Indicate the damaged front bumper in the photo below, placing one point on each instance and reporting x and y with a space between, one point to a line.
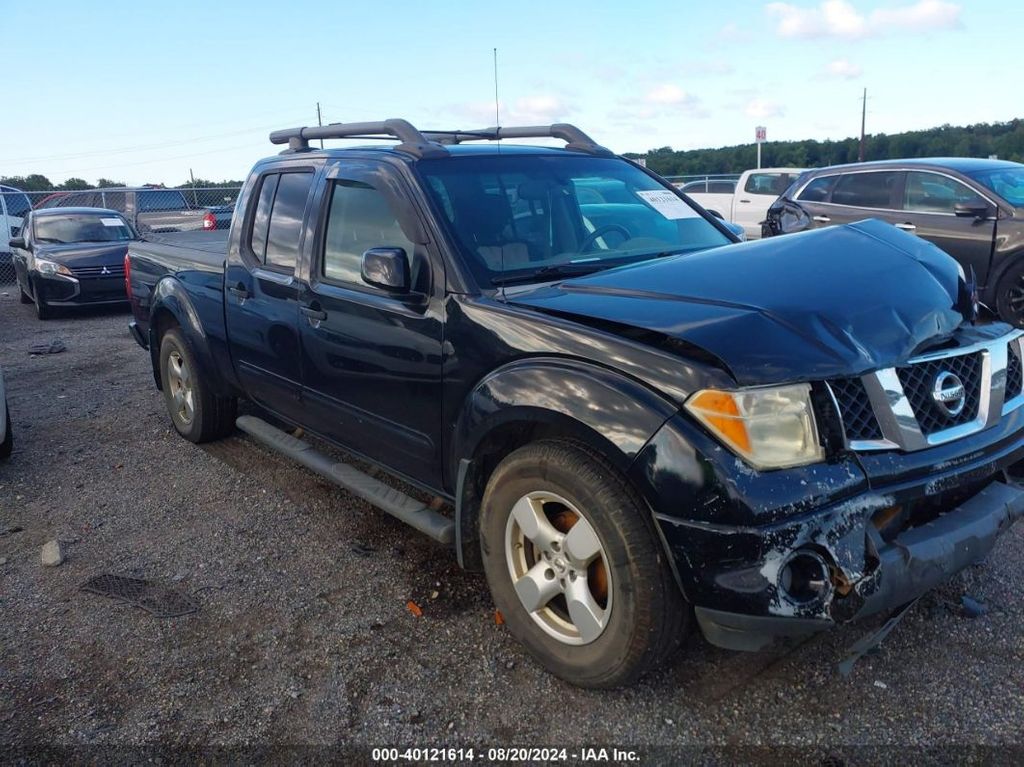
902 569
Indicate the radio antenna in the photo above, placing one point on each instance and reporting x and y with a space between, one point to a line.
497 116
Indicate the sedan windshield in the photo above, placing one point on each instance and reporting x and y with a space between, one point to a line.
82 227
534 217
1008 183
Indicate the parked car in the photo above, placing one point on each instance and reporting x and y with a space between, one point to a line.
150 209
636 419
753 193
6 433
14 203
971 208
716 195
70 257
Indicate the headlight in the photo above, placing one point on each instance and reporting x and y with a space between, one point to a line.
770 428
52 267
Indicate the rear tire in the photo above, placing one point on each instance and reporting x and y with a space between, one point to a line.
7 446
596 606
196 412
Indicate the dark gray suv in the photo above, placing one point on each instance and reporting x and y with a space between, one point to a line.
973 209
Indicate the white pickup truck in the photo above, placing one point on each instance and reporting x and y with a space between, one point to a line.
748 205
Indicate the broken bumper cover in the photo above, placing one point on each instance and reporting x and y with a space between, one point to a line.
914 562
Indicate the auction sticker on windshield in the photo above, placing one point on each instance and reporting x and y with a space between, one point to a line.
667 204
112 222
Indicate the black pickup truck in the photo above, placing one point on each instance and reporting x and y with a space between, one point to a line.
635 420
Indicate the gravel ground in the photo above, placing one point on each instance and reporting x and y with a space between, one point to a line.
303 635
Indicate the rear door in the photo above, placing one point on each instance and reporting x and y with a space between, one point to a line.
928 202
371 359
262 293
850 197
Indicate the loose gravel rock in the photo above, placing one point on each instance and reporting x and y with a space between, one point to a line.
303 635
52 554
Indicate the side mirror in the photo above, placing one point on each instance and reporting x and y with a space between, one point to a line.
976 208
386 268
716 214
18 242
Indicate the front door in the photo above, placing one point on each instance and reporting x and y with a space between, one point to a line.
262 309
928 211
371 359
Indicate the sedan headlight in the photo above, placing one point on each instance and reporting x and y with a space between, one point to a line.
50 268
771 428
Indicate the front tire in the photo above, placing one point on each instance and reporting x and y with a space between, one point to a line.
7 446
1010 295
43 310
196 412
575 566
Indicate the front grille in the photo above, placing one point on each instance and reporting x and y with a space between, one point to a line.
1014 372
919 381
855 409
95 272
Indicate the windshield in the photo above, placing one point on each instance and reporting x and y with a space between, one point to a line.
82 227
519 216
1008 183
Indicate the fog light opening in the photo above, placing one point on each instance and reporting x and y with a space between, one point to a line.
806 578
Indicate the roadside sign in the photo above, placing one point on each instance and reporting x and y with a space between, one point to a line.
760 134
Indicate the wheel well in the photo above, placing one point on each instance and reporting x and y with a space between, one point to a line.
162 321
491 450
1008 262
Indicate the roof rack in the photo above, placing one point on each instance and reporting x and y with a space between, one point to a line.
432 143
574 138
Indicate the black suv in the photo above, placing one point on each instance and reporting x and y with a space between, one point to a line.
973 209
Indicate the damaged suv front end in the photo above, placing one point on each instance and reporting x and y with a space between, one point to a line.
867 449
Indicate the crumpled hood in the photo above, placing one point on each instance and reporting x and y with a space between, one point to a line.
827 303
78 254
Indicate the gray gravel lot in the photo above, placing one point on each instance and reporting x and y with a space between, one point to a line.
303 635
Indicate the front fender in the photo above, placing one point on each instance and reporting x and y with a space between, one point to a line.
612 412
171 298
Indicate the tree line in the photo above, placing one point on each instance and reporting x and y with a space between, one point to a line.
35 182
1005 140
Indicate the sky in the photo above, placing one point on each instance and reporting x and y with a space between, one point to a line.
145 92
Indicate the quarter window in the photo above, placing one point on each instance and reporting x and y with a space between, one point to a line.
818 190
360 218
933 193
865 190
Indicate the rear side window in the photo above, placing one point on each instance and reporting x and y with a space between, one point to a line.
818 190
277 221
865 190
768 183
360 218
160 200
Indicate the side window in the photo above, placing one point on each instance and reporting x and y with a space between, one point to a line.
933 193
767 183
114 201
818 190
286 216
261 218
865 190
359 219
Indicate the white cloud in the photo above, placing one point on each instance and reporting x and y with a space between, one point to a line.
839 18
667 93
842 69
534 109
762 108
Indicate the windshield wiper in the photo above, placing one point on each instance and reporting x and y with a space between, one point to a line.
552 271
51 240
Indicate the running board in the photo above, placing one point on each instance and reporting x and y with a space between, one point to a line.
394 502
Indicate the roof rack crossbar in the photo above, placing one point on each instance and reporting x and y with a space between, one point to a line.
412 141
573 136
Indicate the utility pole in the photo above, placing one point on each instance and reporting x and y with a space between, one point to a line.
319 121
863 114
195 199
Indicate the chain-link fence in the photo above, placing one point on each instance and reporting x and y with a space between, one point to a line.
149 209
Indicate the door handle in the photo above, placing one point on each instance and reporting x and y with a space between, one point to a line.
821 219
906 227
744 200
313 313
239 291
